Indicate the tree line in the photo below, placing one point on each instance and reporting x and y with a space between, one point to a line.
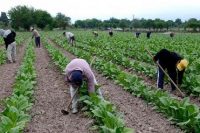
149 24
22 17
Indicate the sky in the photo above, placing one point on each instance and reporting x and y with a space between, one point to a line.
105 9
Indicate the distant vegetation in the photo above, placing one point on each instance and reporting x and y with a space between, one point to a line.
22 17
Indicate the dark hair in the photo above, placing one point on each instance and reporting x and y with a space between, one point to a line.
76 77
63 33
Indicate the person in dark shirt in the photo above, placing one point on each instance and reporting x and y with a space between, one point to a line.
137 34
171 34
175 65
10 44
148 34
110 32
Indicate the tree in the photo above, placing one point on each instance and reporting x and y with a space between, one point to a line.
169 24
178 22
79 24
136 23
43 19
159 24
21 16
193 23
114 22
62 21
124 23
149 24
4 18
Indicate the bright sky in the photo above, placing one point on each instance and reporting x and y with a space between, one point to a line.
104 9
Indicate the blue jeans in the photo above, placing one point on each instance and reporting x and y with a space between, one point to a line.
160 79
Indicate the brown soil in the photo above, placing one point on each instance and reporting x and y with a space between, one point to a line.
52 95
137 114
8 73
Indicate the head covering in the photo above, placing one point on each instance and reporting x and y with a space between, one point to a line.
2 32
76 77
31 28
6 33
182 64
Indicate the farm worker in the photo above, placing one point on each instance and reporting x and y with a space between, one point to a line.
137 34
37 37
110 32
77 71
174 64
70 37
148 34
95 33
9 39
171 34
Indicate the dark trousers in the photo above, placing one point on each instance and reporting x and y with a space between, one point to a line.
37 41
160 79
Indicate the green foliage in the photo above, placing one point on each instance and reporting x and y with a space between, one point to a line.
62 21
21 16
182 112
2 56
14 117
25 17
103 111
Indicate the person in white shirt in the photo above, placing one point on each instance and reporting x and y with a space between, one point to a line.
70 37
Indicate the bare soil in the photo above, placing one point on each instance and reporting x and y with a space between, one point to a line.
52 95
137 114
8 73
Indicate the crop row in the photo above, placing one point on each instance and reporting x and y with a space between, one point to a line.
15 115
183 113
20 39
191 79
103 111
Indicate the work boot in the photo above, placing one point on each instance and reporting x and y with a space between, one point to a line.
74 110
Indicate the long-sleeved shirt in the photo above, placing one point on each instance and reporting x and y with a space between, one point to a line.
169 60
69 35
35 33
82 65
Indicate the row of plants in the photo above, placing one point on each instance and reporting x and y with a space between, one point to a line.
15 115
2 56
128 49
104 113
19 40
182 112
139 67
186 44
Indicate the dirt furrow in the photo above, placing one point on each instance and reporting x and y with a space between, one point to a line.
137 113
8 73
52 95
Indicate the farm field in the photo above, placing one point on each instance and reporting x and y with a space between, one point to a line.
33 90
